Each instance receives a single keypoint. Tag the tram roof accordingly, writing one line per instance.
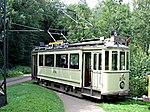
(90, 44)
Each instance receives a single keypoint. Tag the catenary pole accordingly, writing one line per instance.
(5, 52)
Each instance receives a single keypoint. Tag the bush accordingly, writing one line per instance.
(138, 86)
(139, 66)
(13, 73)
(23, 69)
(18, 70)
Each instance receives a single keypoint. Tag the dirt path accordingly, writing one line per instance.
(73, 104)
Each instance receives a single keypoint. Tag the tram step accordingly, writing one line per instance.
(87, 87)
(87, 90)
(95, 97)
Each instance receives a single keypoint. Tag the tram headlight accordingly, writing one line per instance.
(122, 84)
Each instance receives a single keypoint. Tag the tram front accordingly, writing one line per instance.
(115, 70)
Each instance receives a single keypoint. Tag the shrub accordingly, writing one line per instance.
(23, 69)
(138, 86)
(18, 70)
(13, 73)
(139, 66)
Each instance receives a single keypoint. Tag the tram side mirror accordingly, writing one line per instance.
(42, 44)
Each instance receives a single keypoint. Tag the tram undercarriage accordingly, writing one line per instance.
(79, 92)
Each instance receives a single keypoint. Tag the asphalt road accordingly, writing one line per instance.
(73, 104)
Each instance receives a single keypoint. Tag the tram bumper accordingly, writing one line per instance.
(117, 93)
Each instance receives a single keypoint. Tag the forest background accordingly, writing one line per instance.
(29, 20)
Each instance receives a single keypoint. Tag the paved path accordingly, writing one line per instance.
(73, 104)
(15, 80)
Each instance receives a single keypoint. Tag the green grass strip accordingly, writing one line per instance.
(28, 97)
(126, 106)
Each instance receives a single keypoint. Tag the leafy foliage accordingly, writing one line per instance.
(140, 65)
(17, 71)
(111, 15)
(25, 16)
(140, 24)
(23, 69)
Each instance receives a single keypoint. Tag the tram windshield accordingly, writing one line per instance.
(122, 60)
(116, 60)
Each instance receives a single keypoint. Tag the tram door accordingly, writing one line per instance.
(87, 69)
(34, 66)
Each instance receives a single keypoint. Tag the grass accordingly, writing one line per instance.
(28, 97)
(126, 106)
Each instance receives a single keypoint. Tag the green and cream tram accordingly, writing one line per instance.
(93, 68)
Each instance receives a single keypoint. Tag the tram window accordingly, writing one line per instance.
(100, 62)
(114, 60)
(127, 60)
(106, 60)
(122, 60)
(62, 60)
(95, 62)
(40, 60)
(49, 60)
(74, 61)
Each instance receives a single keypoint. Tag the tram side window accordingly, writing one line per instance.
(74, 61)
(49, 60)
(127, 60)
(62, 60)
(114, 60)
(95, 62)
(106, 60)
(122, 60)
(40, 60)
(100, 62)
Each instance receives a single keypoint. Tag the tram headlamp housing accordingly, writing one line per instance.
(122, 84)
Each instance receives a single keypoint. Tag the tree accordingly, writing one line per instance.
(27, 15)
(140, 22)
(111, 15)
(75, 20)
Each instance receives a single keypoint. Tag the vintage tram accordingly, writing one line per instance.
(93, 67)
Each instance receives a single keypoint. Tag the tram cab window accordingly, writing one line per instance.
(127, 58)
(106, 60)
(74, 61)
(100, 62)
(95, 62)
(49, 60)
(114, 60)
(40, 60)
(62, 60)
(122, 60)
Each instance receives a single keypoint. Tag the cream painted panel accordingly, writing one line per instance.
(62, 75)
(111, 82)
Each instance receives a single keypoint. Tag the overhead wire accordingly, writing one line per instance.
(25, 26)
(60, 9)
